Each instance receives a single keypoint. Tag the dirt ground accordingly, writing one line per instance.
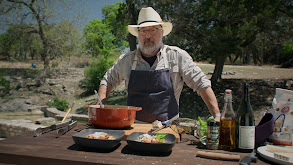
(263, 79)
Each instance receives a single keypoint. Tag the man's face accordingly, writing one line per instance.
(150, 39)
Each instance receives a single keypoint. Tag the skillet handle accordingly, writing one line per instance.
(135, 109)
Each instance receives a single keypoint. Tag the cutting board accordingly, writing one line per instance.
(147, 128)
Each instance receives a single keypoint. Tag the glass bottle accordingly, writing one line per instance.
(245, 123)
(227, 124)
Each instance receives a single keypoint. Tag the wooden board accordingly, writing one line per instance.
(147, 128)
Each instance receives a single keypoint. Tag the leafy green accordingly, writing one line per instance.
(202, 123)
(211, 118)
(161, 137)
(203, 127)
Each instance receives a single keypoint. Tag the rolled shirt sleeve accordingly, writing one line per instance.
(188, 71)
(113, 77)
(192, 75)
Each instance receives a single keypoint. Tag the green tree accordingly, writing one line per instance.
(98, 38)
(214, 30)
(114, 16)
(41, 14)
(102, 37)
(64, 40)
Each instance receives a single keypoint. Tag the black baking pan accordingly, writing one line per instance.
(134, 143)
(81, 139)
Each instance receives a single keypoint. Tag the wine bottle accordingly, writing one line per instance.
(227, 124)
(245, 123)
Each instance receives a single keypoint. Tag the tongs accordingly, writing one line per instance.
(40, 131)
(67, 128)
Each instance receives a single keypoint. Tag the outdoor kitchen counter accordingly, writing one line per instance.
(47, 149)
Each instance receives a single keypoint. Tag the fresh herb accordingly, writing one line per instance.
(203, 127)
(211, 118)
(161, 137)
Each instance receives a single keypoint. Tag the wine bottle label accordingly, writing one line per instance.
(246, 137)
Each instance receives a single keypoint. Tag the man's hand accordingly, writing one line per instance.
(210, 100)
(104, 92)
(217, 119)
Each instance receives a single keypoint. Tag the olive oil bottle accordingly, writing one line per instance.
(227, 124)
(245, 123)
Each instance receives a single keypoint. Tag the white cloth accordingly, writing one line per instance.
(181, 66)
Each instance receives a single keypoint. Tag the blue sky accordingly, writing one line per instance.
(95, 7)
(89, 9)
(92, 9)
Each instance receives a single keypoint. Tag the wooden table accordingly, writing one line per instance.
(47, 149)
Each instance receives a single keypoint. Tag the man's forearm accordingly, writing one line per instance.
(211, 101)
(104, 92)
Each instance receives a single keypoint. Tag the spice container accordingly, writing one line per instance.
(212, 135)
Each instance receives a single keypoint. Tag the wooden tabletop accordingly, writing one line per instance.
(47, 149)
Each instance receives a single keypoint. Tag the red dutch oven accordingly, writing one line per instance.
(112, 116)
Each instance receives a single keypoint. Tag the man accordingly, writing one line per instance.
(155, 73)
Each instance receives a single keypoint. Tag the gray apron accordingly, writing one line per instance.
(153, 91)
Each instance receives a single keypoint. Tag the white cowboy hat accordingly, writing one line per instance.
(149, 17)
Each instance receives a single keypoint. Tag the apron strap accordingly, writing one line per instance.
(134, 63)
(164, 54)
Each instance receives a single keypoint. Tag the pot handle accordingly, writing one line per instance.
(135, 109)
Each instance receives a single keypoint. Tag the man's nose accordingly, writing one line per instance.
(148, 34)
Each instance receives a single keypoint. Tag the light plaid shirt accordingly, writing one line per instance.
(181, 65)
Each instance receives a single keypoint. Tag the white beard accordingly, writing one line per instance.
(149, 50)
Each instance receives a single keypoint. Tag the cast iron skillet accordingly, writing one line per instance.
(80, 139)
(134, 144)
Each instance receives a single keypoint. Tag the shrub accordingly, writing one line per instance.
(95, 72)
(4, 86)
(54, 64)
(59, 104)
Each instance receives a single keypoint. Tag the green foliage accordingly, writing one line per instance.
(95, 72)
(103, 37)
(287, 47)
(59, 104)
(65, 39)
(98, 38)
(55, 64)
(4, 86)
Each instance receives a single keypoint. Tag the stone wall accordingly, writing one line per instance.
(10, 128)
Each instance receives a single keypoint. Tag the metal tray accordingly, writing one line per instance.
(80, 139)
(134, 144)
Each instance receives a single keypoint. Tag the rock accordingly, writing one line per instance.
(36, 109)
(289, 83)
(52, 112)
(15, 105)
(10, 128)
(45, 120)
(60, 86)
(231, 72)
(46, 91)
(80, 117)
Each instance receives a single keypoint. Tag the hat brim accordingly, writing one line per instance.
(166, 26)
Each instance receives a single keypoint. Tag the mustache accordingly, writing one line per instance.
(148, 39)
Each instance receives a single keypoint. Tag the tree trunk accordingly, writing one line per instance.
(217, 75)
(132, 20)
